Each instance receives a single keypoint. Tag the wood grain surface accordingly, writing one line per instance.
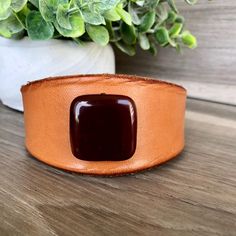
(208, 72)
(194, 194)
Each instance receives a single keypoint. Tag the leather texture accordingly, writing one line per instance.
(160, 113)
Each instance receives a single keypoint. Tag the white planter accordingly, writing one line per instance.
(25, 60)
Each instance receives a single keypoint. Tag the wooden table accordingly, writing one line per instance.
(194, 194)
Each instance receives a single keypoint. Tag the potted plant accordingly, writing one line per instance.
(58, 37)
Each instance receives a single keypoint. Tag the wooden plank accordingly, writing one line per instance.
(207, 72)
(194, 194)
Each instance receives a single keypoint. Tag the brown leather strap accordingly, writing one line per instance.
(160, 127)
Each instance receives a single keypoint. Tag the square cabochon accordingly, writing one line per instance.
(103, 127)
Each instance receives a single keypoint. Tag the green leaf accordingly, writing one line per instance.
(48, 8)
(37, 27)
(179, 19)
(128, 49)
(103, 5)
(63, 18)
(25, 11)
(144, 42)
(113, 34)
(4, 5)
(172, 5)
(110, 29)
(35, 3)
(188, 39)
(162, 14)
(171, 17)
(5, 10)
(125, 16)
(175, 30)
(21, 17)
(4, 15)
(152, 4)
(10, 26)
(128, 33)
(78, 3)
(140, 2)
(17, 5)
(93, 18)
(162, 36)
(98, 34)
(112, 15)
(79, 41)
(18, 35)
(147, 21)
(135, 18)
(77, 24)
(153, 49)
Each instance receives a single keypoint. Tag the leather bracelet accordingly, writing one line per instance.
(103, 124)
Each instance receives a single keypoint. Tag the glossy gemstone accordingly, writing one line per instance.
(103, 127)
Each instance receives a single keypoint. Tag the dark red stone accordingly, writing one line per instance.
(103, 127)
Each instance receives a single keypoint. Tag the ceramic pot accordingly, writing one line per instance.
(25, 60)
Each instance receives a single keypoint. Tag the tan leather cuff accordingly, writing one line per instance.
(160, 109)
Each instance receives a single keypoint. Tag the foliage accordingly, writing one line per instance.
(126, 23)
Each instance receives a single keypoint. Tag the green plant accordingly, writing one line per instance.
(125, 23)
